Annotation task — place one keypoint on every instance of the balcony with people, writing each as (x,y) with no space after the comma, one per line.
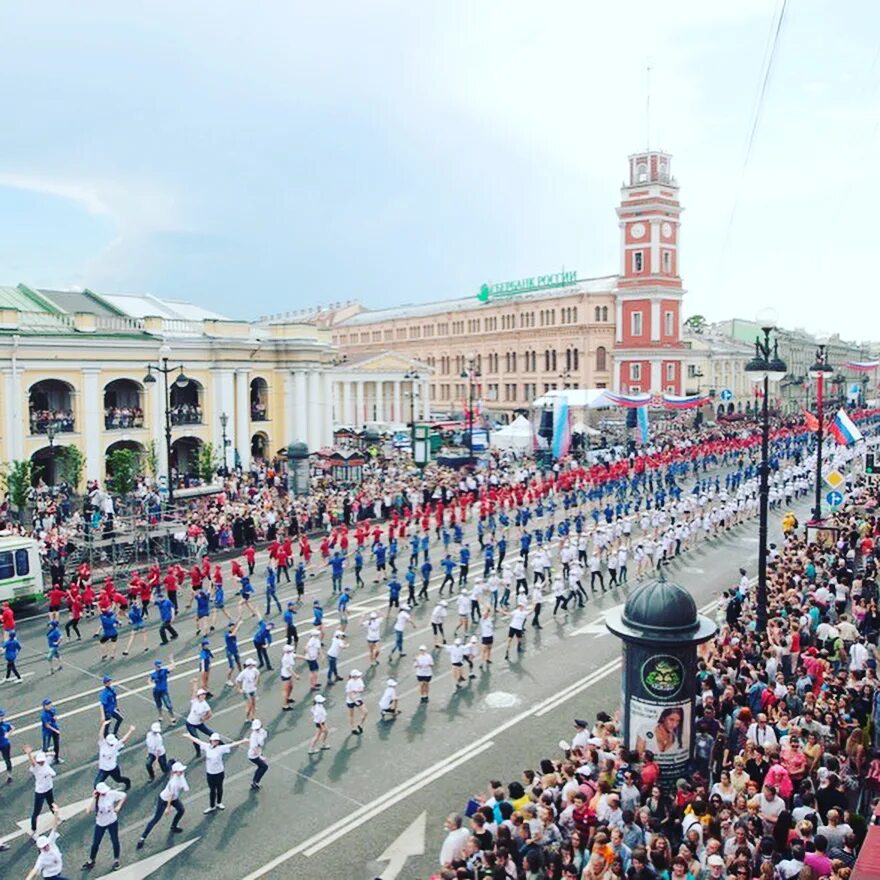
(259,400)
(123,408)
(186,404)
(50,408)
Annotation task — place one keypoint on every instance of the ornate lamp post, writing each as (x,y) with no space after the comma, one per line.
(413,377)
(765,367)
(224,421)
(820,371)
(181,382)
(471,373)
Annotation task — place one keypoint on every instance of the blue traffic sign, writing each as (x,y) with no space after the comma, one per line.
(726,394)
(834,498)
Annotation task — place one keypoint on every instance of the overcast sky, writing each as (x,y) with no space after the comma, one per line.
(259,157)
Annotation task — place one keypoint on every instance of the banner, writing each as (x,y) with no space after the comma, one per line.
(642,416)
(862,366)
(630,400)
(561,428)
(843,429)
(675,401)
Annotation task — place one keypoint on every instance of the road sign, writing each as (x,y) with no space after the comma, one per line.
(726,394)
(834,478)
(834,498)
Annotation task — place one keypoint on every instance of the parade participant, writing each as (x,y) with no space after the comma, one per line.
(167,611)
(246,684)
(218,599)
(518,618)
(342,606)
(424,666)
(49,862)
(75,611)
(53,642)
(51,731)
(109,633)
(464,611)
(110,703)
(262,639)
(403,618)
(44,784)
(271,588)
(105,804)
(206,655)
(109,747)
(169,798)
(199,712)
(287,675)
(389,700)
(233,657)
(373,627)
(312,657)
(245,592)
(136,619)
(155,750)
(456,653)
(214,751)
(158,679)
(337,644)
(318,617)
(291,633)
(487,638)
(354,701)
(319,719)
(438,615)
(5,745)
(256,743)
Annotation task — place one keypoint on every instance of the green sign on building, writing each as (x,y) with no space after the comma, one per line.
(505,289)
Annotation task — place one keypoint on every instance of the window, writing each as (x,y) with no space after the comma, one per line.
(642,174)
(575,358)
(7,569)
(635,323)
(598,314)
(546,360)
(692,371)
(574,319)
(601,359)
(667,262)
(604,313)
(635,372)
(389,335)
(637,261)
(553,360)
(670,371)
(667,323)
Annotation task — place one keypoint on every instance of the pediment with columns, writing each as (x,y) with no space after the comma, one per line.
(384,362)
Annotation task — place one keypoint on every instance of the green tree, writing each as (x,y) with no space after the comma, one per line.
(70,462)
(207,462)
(122,470)
(16,479)
(151,459)
(696,323)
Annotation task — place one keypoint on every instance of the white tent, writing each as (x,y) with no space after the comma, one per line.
(517,435)
(577,398)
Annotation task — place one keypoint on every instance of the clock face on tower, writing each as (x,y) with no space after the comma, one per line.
(666,230)
(637,230)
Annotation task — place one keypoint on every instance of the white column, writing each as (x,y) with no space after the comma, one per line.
(656,377)
(243,417)
(327,413)
(16,420)
(380,401)
(157,423)
(289,410)
(655,320)
(347,413)
(425,399)
(314,410)
(618,320)
(398,415)
(223,381)
(359,404)
(92,416)
(301,413)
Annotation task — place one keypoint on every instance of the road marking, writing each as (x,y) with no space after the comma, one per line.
(13,680)
(411,842)
(566,694)
(45,820)
(145,867)
(501,700)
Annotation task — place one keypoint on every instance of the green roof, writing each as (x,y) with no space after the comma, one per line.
(22,299)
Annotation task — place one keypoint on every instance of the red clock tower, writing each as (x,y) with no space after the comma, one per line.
(648,352)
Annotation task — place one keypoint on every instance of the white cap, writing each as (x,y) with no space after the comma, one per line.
(404,607)
(373,615)
(250,662)
(473,639)
(457,642)
(40,757)
(42,841)
(392,683)
(111,739)
(215,737)
(444,603)
(102,788)
(339,634)
(256,724)
(313,632)
(423,648)
(287,648)
(355,672)
(156,727)
(177,767)
(201,692)
(319,698)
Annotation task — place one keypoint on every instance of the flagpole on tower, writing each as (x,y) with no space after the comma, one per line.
(648,106)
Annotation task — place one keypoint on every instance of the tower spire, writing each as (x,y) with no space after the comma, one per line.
(648,106)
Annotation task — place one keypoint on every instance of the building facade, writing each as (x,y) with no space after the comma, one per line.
(73,364)
(532,336)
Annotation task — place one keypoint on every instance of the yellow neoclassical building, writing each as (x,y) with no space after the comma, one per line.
(73,366)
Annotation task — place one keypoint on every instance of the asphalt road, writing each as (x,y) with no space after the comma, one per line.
(331,815)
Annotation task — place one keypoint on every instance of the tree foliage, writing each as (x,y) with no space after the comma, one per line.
(70,463)
(16,480)
(207,462)
(122,470)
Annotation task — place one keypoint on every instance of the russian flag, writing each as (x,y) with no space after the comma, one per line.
(561,427)
(844,430)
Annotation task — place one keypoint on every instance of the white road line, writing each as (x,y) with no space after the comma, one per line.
(145,867)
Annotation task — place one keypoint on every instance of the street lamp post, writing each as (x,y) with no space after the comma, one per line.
(181,382)
(471,373)
(764,367)
(413,377)
(224,421)
(51,430)
(819,371)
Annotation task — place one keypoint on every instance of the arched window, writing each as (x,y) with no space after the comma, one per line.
(601,359)
(553,360)
(574,358)
(604,313)
(568,359)
(546,360)
(598,314)
(574,319)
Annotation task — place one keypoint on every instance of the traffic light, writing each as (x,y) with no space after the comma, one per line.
(869,464)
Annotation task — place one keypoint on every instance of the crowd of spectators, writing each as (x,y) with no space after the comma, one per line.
(123,417)
(186,414)
(62,419)
(786,770)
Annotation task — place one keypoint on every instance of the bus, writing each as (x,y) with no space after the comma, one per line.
(21,574)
